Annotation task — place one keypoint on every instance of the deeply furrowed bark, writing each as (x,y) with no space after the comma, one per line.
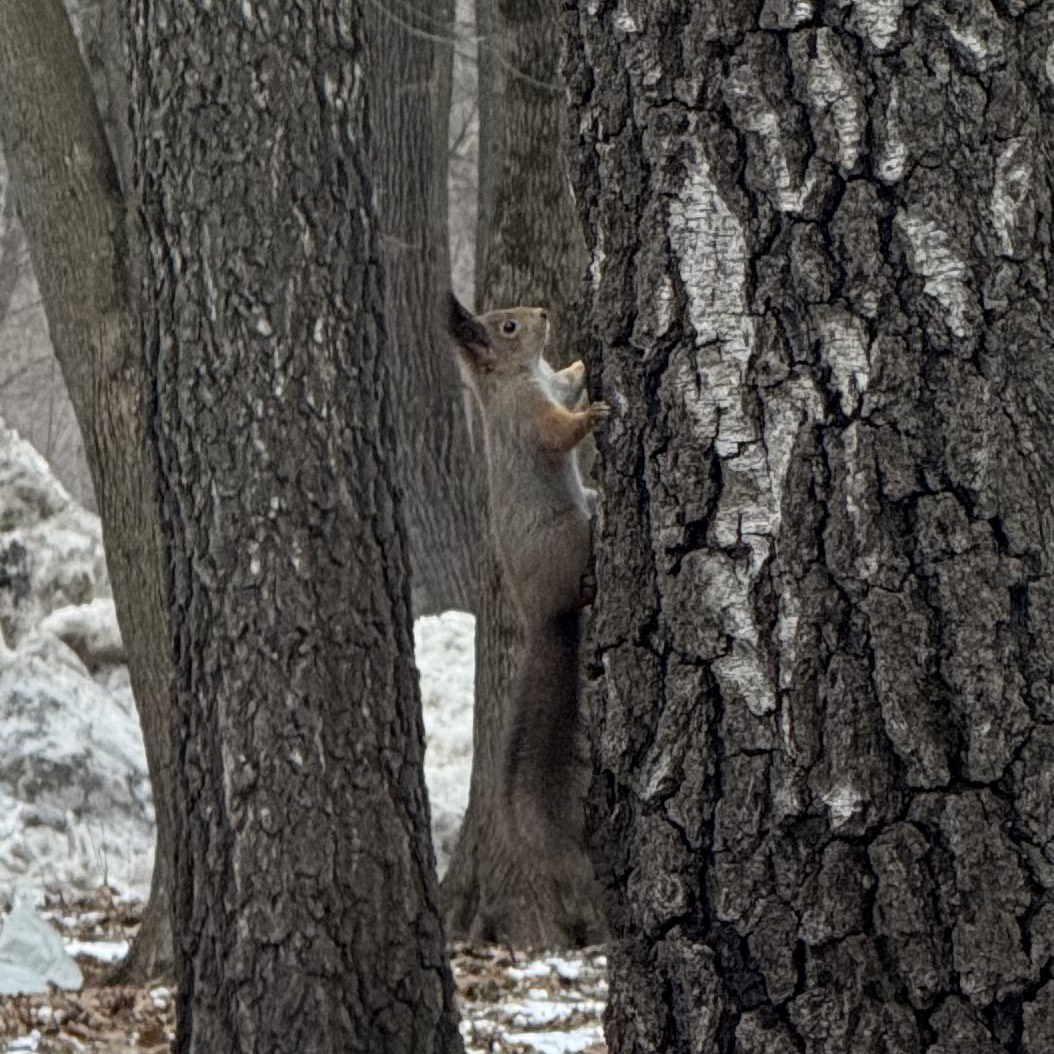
(529,251)
(821,266)
(305,904)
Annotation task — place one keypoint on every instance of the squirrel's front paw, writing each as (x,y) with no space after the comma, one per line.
(598,412)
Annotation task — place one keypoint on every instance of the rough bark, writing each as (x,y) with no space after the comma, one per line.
(306,904)
(410,109)
(73,217)
(821,264)
(12,242)
(529,251)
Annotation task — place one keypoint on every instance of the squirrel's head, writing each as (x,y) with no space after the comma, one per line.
(499,344)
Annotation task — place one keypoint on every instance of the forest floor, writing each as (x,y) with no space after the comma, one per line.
(511,1002)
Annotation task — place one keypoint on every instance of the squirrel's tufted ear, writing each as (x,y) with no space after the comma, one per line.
(471,337)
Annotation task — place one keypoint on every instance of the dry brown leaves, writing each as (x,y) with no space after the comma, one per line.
(504,997)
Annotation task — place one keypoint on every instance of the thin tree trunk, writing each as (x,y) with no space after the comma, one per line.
(822,272)
(305,905)
(411,62)
(73,216)
(529,251)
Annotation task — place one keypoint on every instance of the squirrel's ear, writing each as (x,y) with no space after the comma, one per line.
(471,337)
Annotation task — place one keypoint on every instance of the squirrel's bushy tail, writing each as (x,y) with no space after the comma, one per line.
(540,760)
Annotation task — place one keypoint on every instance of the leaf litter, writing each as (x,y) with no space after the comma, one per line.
(511,1002)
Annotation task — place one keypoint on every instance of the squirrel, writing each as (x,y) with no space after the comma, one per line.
(541,520)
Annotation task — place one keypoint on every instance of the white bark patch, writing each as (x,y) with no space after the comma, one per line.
(894,157)
(843,801)
(663,307)
(744,680)
(971,42)
(596,264)
(787,628)
(746,95)
(858,505)
(931,255)
(624,21)
(1011,193)
(710,250)
(879,19)
(844,345)
(832,91)
(1050,64)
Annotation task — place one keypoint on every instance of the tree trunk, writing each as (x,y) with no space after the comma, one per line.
(73,217)
(529,251)
(410,110)
(824,746)
(305,905)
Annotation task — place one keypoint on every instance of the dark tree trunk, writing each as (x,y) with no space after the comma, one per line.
(305,905)
(821,241)
(529,251)
(410,110)
(73,216)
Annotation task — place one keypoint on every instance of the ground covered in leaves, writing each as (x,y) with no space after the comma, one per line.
(511,1003)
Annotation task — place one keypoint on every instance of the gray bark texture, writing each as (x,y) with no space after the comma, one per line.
(824,635)
(529,252)
(73,217)
(306,901)
(411,65)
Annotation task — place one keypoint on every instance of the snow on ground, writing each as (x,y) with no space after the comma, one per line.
(445,651)
(509,1004)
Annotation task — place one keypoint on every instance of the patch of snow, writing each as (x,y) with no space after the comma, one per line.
(103,951)
(444,648)
(566,969)
(20,1043)
(538,968)
(90,630)
(570,1042)
(32,955)
(160,997)
(75,806)
(539,1010)
(29,493)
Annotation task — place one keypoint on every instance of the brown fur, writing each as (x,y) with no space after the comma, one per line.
(533,419)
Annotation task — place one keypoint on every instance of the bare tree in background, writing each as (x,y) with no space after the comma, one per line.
(825,731)
(410,57)
(529,251)
(72,208)
(33,396)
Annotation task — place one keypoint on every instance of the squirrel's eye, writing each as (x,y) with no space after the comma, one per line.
(508,328)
